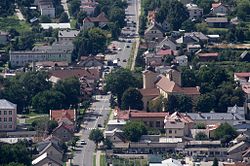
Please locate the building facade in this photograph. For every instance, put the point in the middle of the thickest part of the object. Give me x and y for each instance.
(8, 114)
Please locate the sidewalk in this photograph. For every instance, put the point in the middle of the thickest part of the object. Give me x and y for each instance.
(98, 157)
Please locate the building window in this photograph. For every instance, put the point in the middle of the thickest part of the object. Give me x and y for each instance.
(0, 112)
(170, 131)
(175, 131)
(10, 119)
(158, 124)
(10, 126)
(5, 112)
(5, 119)
(5, 126)
(10, 112)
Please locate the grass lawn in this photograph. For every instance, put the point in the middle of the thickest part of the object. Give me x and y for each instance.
(30, 119)
(103, 160)
(131, 57)
(6, 23)
(94, 160)
(73, 23)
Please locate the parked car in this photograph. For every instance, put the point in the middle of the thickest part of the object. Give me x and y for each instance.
(128, 46)
(124, 60)
(83, 142)
(99, 125)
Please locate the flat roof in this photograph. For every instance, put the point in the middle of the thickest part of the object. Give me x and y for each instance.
(55, 25)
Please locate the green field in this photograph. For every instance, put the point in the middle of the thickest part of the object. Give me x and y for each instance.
(103, 160)
(129, 162)
(7, 23)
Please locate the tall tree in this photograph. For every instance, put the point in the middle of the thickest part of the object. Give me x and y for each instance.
(70, 87)
(201, 136)
(7, 7)
(120, 80)
(74, 7)
(215, 162)
(132, 98)
(225, 133)
(205, 103)
(96, 135)
(47, 100)
(134, 130)
(92, 41)
(64, 18)
(188, 78)
(179, 103)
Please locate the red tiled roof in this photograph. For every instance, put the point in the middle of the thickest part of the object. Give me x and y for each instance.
(211, 54)
(176, 116)
(88, 73)
(170, 86)
(215, 5)
(150, 92)
(163, 52)
(143, 114)
(63, 126)
(57, 115)
(242, 74)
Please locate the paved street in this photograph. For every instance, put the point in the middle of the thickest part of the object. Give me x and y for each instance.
(125, 43)
(65, 7)
(99, 112)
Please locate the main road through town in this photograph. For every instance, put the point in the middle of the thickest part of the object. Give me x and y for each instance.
(97, 114)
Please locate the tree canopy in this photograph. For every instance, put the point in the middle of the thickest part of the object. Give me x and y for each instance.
(7, 7)
(120, 80)
(132, 98)
(96, 135)
(134, 130)
(15, 153)
(181, 103)
(201, 136)
(92, 41)
(64, 18)
(225, 133)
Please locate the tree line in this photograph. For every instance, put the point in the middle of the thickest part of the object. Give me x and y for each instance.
(33, 90)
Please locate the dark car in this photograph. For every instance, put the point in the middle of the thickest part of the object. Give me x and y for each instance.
(124, 60)
(99, 125)
(127, 46)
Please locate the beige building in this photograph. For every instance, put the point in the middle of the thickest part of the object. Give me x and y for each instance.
(8, 115)
(67, 35)
(177, 125)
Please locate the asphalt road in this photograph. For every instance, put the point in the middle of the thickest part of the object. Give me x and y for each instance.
(99, 110)
(123, 43)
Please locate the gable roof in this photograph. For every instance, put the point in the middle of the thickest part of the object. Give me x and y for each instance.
(44, 156)
(178, 117)
(154, 26)
(216, 5)
(209, 54)
(100, 18)
(41, 148)
(5, 104)
(58, 115)
(68, 73)
(242, 74)
(216, 20)
(150, 92)
(199, 35)
(170, 86)
(62, 125)
(68, 33)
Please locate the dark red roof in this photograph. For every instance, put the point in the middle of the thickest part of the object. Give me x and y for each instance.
(150, 92)
(212, 54)
(57, 115)
(243, 74)
(88, 73)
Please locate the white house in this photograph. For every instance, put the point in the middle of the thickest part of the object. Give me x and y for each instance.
(46, 8)
(182, 60)
(67, 35)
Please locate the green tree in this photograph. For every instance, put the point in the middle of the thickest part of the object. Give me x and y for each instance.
(52, 124)
(14, 164)
(201, 136)
(174, 12)
(205, 5)
(108, 143)
(215, 162)
(117, 15)
(64, 18)
(7, 8)
(45, 19)
(225, 133)
(243, 9)
(188, 26)
(132, 98)
(188, 78)
(205, 103)
(74, 7)
(200, 126)
(18, 153)
(134, 130)
(120, 80)
(80, 17)
(47, 100)
(96, 135)
(179, 103)
(70, 87)
(115, 30)
(92, 41)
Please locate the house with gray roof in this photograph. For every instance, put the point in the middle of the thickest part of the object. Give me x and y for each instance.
(8, 115)
(217, 22)
(154, 33)
(67, 35)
